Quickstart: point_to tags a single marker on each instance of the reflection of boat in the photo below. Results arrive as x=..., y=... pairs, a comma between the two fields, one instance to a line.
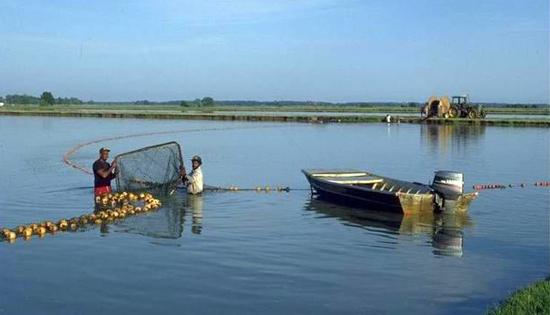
x=444, y=229
x=378, y=192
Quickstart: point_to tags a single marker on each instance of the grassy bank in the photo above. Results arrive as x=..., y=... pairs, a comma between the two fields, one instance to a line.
x=534, y=299
x=246, y=108
x=153, y=113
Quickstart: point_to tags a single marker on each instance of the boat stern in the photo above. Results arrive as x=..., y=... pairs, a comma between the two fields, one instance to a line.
x=415, y=203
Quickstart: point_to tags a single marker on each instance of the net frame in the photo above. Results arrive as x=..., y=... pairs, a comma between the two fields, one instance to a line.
x=162, y=188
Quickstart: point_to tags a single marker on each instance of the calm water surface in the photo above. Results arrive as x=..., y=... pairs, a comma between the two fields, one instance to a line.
x=273, y=253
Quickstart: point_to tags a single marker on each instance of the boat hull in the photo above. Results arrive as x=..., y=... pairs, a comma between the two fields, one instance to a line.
x=398, y=202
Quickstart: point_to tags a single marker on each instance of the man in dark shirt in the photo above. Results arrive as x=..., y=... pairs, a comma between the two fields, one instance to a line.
x=103, y=173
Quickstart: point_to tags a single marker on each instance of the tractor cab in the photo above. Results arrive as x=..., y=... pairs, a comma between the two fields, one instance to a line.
x=460, y=101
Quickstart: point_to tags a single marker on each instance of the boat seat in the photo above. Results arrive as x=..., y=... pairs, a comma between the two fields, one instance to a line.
x=364, y=179
x=356, y=174
x=356, y=181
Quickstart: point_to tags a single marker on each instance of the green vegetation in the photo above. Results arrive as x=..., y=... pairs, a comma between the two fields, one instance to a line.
x=216, y=113
x=199, y=105
x=274, y=106
x=534, y=300
x=24, y=99
x=47, y=99
x=196, y=105
x=207, y=101
x=245, y=108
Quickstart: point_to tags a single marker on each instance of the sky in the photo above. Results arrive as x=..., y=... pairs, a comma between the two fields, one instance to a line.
x=306, y=50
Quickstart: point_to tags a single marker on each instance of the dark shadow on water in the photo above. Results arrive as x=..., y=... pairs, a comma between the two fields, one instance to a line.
x=444, y=230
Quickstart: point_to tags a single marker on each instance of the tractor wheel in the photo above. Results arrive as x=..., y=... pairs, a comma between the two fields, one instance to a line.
x=482, y=114
x=472, y=114
x=453, y=112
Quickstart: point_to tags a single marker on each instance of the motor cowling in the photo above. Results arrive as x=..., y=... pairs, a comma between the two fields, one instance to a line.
x=448, y=184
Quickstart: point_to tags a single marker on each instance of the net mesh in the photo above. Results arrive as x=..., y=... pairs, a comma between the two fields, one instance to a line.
x=153, y=169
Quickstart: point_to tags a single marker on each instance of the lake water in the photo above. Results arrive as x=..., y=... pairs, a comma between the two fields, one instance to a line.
x=273, y=253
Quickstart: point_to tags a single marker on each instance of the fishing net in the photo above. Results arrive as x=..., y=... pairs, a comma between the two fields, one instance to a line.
x=154, y=169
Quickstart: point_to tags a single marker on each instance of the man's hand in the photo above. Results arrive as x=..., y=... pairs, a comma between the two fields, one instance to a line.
x=113, y=168
x=183, y=173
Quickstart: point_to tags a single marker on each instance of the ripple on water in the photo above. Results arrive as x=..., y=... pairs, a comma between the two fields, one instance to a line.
x=274, y=253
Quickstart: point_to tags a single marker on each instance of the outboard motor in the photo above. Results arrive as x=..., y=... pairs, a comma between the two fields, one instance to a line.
x=449, y=186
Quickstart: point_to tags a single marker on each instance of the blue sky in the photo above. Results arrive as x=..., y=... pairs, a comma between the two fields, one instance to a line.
x=322, y=50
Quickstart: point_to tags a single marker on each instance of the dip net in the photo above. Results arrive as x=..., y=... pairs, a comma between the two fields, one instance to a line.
x=153, y=169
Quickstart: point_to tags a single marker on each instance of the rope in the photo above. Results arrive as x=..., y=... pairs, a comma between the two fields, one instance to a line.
x=266, y=189
x=67, y=156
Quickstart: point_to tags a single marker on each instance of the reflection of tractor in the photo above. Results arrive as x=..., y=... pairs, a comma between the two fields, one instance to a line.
x=459, y=107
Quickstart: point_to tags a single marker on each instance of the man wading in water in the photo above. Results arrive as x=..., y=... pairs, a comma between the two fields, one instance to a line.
x=103, y=173
x=193, y=181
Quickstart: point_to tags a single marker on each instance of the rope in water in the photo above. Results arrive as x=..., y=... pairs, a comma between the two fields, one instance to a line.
x=68, y=155
x=265, y=189
x=503, y=186
x=112, y=207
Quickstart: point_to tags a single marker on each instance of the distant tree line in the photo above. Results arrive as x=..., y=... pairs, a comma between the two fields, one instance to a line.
x=45, y=99
x=206, y=101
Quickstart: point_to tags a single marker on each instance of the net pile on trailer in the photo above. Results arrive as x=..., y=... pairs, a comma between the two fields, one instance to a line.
x=153, y=169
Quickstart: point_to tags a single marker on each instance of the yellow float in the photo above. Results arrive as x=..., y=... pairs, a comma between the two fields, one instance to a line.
x=120, y=207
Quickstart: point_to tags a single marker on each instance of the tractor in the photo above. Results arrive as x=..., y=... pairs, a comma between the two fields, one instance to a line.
x=458, y=107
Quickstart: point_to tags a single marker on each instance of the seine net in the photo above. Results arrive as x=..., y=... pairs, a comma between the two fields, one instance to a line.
x=153, y=169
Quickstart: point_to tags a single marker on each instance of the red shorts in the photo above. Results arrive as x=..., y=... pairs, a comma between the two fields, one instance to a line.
x=98, y=191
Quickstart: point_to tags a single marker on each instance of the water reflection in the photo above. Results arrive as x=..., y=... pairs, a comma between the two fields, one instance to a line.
x=195, y=204
x=440, y=138
x=444, y=230
x=169, y=221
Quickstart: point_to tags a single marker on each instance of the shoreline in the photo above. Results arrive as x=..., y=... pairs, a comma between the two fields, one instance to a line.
x=159, y=114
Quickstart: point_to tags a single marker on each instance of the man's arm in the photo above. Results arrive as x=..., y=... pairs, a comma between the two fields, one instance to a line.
x=183, y=174
x=192, y=178
x=105, y=172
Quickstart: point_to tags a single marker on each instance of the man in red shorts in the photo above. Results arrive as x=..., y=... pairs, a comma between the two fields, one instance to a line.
x=103, y=173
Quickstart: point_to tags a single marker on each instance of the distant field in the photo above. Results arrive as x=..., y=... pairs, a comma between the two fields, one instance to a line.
x=247, y=108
